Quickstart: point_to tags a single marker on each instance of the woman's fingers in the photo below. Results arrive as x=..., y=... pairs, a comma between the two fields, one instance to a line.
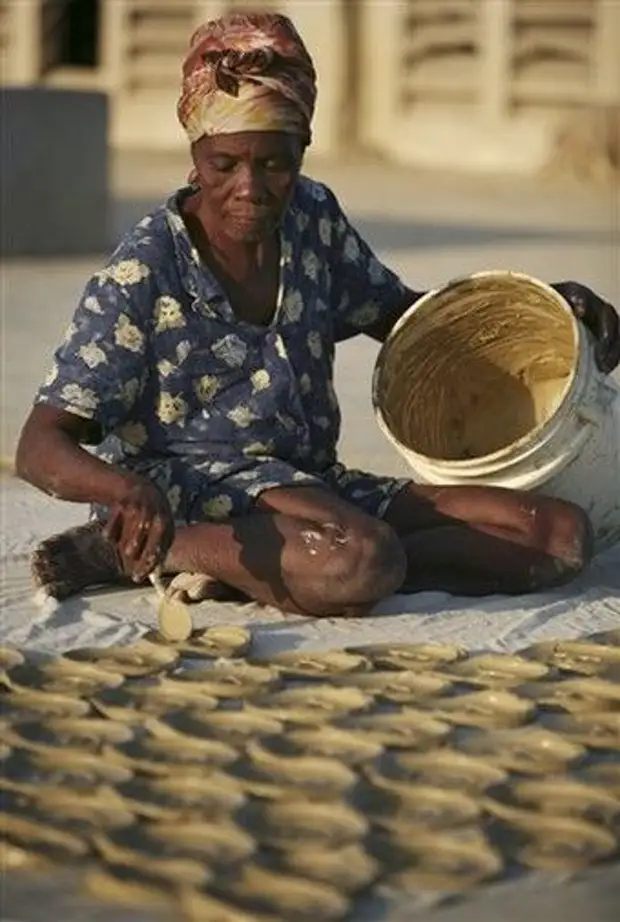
x=142, y=528
x=601, y=319
x=153, y=551
x=113, y=528
x=608, y=347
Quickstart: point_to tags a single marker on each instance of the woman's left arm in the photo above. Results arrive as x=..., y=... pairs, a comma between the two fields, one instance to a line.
x=370, y=298
x=366, y=296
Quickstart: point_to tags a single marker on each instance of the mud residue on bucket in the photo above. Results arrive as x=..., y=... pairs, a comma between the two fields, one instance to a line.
x=477, y=367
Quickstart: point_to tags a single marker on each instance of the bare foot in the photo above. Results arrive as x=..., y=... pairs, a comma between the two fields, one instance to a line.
x=77, y=559
x=198, y=587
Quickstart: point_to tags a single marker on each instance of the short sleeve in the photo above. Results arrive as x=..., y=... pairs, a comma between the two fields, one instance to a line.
x=99, y=369
x=363, y=289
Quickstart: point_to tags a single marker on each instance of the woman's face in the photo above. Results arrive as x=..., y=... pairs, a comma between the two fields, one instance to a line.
x=246, y=180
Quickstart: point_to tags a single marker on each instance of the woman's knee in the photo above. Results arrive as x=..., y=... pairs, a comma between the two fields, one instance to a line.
x=377, y=564
x=366, y=562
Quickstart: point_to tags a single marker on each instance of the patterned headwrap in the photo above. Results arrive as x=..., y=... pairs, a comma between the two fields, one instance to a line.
x=247, y=72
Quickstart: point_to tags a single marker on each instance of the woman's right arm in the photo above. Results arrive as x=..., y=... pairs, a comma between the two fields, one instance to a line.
x=50, y=456
x=94, y=384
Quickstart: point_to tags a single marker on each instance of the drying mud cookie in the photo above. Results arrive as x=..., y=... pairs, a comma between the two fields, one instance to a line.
x=42, y=703
x=220, y=843
x=232, y=727
x=84, y=730
x=559, y=843
x=24, y=677
x=217, y=641
x=25, y=774
x=490, y=708
x=449, y=768
x=107, y=767
x=199, y=907
x=66, y=734
x=501, y=806
x=407, y=729
x=348, y=746
x=226, y=640
x=163, y=694
x=416, y=656
x=401, y=687
x=182, y=796
x=137, y=659
x=598, y=730
x=256, y=785
x=239, y=670
x=64, y=669
x=128, y=886
x=348, y=869
x=497, y=670
x=575, y=694
x=290, y=715
x=529, y=750
x=9, y=659
x=306, y=663
x=82, y=818
x=134, y=848
x=564, y=796
x=101, y=806
x=418, y=805
x=451, y=862
x=57, y=677
x=159, y=755
x=289, y=897
x=212, y=795
x=174, y=620
x=123, y=706
x=583, y=657
x=34, y=834
x=224, y=683
x=322, y=697
x=144, y=699
x=307, y=773
x=15, y=858
x=297, y=822
x=605, y=775
x=29, y=736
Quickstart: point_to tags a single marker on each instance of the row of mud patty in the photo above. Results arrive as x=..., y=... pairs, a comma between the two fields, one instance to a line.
x=232, y=788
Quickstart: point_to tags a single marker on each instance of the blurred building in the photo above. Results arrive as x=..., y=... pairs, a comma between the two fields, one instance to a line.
x=480, y=84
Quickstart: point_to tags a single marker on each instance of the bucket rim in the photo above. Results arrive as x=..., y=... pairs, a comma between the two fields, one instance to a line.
x=526, y=443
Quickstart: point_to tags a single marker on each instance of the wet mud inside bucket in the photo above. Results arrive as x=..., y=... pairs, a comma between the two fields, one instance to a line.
x=479, y=366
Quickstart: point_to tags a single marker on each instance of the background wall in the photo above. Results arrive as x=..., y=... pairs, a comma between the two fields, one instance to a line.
x=484, y=85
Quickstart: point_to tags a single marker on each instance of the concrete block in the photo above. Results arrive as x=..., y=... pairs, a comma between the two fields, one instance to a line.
x=54, y=157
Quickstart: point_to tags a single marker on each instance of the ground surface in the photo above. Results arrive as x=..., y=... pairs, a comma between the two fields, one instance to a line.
x=430, y=228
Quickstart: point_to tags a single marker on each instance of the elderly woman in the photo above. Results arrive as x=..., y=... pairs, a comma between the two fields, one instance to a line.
x=200, y=363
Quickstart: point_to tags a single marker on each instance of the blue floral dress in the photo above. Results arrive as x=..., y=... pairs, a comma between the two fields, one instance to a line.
x=213, y=410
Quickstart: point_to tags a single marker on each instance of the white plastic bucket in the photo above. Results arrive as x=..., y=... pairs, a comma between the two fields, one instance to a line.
x=491, y=380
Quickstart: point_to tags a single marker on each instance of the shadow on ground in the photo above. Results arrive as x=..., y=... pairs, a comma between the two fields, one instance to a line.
x=398, y=234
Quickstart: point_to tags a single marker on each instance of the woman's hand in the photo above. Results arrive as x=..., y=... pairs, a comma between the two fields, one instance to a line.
x=141, y=527
x=599, y=317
